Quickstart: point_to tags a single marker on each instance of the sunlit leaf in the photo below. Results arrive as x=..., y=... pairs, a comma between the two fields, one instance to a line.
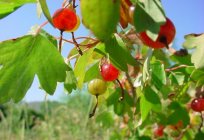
x=149, y=15
x=100, y=16
x=25, y=57
x=9, y=6
x=158, y=74
x=80, y=67
x=70, y=83
x=145, y=107
x=45, y=10
x=193, y=41
x=92, y=72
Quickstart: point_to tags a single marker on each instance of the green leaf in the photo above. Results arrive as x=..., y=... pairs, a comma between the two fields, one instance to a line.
x=106, y=119
x=185, y=60
x=145, y=107
x=158, y=74
x=152, y=97
x=144, y=138
x=159, y=54
x=100, y=16
x=92, y=72
x=165, y=90
x=45, y=10
x=199, y=136
x=196, y=41
x=70, y=81
x=193, y=41
x=145, y=72
x=120, y=107
x=80, y=67
x=117, y=52
x=179, y=114
x=25, y=57
x=177, y=78
x=197, y=74
x=149, y=15
x=198, y=57
x=9, y=6
x=126, y=53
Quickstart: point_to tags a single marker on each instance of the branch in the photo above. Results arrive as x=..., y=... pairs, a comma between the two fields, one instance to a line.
x=84, y=37
x=122, y=90
x=175, y=68
x=76, y=44
x=74, y=3
x=40, y=27
x=133, y=93
x=76, y=55
x=60, y=41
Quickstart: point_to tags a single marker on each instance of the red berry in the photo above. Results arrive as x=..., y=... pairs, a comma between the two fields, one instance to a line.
x=65, y=19
x=109, y=72
x=166, y=34
x=198, y=104
x=159, y=131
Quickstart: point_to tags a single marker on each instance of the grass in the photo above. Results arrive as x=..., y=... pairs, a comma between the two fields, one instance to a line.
x=59, y=121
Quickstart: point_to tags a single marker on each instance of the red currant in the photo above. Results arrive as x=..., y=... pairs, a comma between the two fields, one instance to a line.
x=165, y=37
x=159, y=131
x=65, y=19
x=109, y=72
x=198, y=104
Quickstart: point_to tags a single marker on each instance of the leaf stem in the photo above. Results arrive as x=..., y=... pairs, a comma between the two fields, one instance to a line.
x=74, y=3
x=40, y=27
x=76, y=44
x=181, y=52
x=94, y=110
x=60, y=41
x=122, y=90
x=89, y=45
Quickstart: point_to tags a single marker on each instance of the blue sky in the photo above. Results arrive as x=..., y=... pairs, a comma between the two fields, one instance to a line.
x=187, y=17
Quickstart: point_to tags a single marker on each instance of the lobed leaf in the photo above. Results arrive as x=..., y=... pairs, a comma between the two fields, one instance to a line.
x=25, y=57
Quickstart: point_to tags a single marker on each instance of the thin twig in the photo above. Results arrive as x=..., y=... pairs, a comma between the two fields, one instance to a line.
x=182, y=133
x=175, y=68
x=76, y=44
x=89, y=45
x=122, y=91
x=76, y=55
x=133, y=91
x=84, y=37
x=94, y=110
x=74, y=3
x=60, y=41
x=40, y=27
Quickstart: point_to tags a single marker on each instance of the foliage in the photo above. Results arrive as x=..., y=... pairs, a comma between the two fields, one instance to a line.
x=158, y=84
